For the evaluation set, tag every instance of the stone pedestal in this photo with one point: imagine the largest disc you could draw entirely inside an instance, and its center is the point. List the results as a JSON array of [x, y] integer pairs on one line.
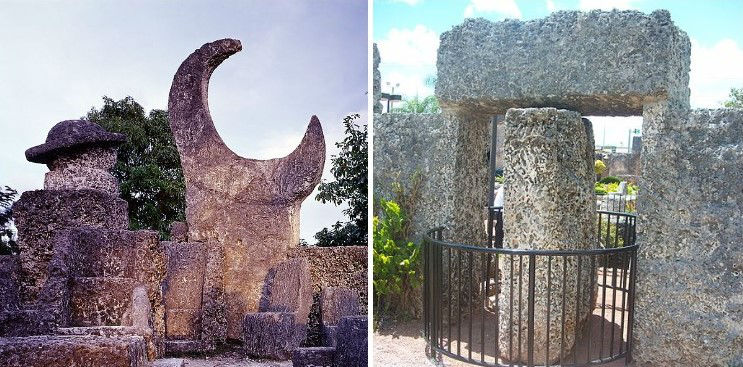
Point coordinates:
[[549, 204]]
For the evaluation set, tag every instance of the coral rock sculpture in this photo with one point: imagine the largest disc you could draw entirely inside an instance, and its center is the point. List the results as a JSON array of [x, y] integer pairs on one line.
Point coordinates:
[[246, 210]]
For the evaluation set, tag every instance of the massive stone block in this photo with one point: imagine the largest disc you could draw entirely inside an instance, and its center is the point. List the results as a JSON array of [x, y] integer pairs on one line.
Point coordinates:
[[550, 204], [313, 357], [73, 351], [247, 208], [489, 67], [353, 342], [103, 267], [99, 301], [184, 289], [448, 153], [287, 289], [335, 303], [688, 309], [38, 214], [272, 335]]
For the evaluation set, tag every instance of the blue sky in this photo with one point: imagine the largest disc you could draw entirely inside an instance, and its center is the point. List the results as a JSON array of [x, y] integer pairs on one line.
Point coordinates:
[[299, 58], [407, 33]]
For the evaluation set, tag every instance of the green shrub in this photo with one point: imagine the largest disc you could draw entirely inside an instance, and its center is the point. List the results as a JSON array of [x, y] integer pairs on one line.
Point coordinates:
[[397, 276], [599, 188], [610, 180], [599, 167]]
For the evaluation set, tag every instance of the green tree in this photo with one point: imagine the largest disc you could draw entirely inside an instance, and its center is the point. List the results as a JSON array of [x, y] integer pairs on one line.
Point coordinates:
[[417, 105], [350, 170], [148, 165], [736, 98], [8, 245]]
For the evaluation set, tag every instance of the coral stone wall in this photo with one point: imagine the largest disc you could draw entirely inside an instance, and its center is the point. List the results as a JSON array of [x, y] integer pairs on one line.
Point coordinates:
[[690, 281], [333, 267]]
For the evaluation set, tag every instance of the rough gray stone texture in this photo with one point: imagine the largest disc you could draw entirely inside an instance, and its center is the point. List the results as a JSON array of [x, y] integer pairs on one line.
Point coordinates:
[[185, 347], [450, 155], [183, 290], [38, 214], [213, 306], [690, 258], [9, 284], [335, 303], [352, 347], [27, 322], [313, 357], [333, 267], [73, 351], [179, 232], [104, 267], [117, 332], [377, 82], [406, 145], [222, 188], [83, 169], [550, 204], [623, 164], [596, 63], [272, 335], [72, 135], [288, 288]]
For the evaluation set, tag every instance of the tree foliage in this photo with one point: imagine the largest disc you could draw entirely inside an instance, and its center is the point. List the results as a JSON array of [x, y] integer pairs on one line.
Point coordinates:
[[417, 105], [736, 98], [8, 244], [148, 165], [397, 275], [350, 170]]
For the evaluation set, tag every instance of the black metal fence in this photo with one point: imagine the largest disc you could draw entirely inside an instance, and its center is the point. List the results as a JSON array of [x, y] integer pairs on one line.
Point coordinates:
[[491, 306]]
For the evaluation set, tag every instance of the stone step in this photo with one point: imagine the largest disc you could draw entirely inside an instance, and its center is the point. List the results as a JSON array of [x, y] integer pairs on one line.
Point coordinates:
[[313, 357], [154, 348], [73, 351]]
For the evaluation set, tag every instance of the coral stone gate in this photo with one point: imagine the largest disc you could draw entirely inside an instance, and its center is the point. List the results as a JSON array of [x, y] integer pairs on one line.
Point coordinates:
[[617, 63]]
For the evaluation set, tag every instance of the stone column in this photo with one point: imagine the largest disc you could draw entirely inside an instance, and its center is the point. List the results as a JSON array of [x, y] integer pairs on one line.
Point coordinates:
[[549, 204], [377, 86]]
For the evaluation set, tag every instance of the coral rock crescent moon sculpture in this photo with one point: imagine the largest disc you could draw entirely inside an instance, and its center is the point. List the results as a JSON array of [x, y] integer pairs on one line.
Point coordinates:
[[245, 210]]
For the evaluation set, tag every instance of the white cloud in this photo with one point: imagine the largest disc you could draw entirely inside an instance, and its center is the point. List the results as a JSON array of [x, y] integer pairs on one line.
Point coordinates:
[[607, 4], [551, 6], [409, 2], [416, 47], [714, 70], [408, 57], [507, 8], [411, 83]]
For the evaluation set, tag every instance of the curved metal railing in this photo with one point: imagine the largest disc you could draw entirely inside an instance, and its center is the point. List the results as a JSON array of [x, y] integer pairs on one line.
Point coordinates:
[[494, 306]]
